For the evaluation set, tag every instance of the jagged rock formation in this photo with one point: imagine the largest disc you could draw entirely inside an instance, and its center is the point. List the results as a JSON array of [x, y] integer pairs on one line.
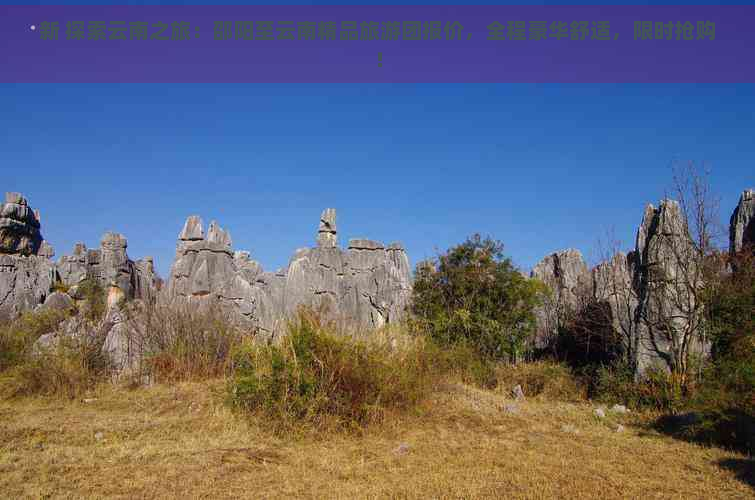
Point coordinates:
[[326, 234], [565, 272], [25, 282], [652, 293], [26, 273], [19, 227], [367, 285], [668, 280], [567, 276], [613, 283], [112, 335], [108, 265], [58, 301], [742, 222]]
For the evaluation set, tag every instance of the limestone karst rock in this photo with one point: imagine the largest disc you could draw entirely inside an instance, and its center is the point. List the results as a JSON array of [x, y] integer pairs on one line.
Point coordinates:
[[19, 227], [58, 301], [652, 292], [668, 279], [365, 286], [326, 233], [110, 264], [201, 267], [26, 273], [114, 335], [742, 222], [566, 274], [613, 282], [25, 282], [216, 234]]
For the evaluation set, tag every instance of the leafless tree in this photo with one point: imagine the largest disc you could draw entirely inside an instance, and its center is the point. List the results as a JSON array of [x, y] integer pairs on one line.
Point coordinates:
[[676, 261]]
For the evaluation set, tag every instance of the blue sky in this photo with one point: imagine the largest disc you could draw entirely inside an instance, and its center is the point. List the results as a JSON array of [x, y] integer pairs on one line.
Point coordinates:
[[540, 167]]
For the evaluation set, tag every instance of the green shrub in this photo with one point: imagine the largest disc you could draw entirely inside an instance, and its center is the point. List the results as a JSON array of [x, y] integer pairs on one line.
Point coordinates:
[[472, 295], [658, 389], [316, 377], [18, 336], [69, 368], [95, 299], [464, 363], [725, 397]]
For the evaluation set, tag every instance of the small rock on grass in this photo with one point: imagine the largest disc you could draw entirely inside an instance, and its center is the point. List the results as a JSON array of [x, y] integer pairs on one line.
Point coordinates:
[[99, 436], [600, 413], [619, 409], [518, 393], [402, 449]]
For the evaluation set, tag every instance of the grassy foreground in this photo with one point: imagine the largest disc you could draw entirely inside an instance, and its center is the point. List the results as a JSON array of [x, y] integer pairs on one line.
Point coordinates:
[[182, 441]]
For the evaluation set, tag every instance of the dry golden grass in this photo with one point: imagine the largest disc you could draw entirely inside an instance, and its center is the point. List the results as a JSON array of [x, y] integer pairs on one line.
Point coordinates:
[[182, 442]]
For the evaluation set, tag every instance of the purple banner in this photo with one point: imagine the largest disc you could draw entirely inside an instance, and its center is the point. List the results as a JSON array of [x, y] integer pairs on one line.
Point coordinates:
[[377, 43]]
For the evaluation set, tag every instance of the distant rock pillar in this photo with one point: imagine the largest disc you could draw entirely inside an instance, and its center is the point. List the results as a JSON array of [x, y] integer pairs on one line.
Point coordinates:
[[327, 233]]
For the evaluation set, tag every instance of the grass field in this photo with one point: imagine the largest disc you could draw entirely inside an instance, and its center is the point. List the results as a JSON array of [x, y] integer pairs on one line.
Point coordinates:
[[183, 442]]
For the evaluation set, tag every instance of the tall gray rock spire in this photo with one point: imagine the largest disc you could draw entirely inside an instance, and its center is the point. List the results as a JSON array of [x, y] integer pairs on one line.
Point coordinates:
[[742, 222], [327, 233]]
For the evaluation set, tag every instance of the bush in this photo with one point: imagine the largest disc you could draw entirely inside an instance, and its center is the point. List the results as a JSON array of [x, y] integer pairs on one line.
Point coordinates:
[[473, 296], [18, 336], [657, 390], [464, 363], [587, 340], [69, 368], [324, 380], [95, 299], [182, 343], [725, 399]]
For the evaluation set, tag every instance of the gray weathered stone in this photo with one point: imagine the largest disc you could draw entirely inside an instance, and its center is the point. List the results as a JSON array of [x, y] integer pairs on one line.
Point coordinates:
[[110, 264], [74, 332], [19, 228], [193, 229], [569, 280], [620, 409], [667, 281], [216, 234], [25, 282], [46, 250], [58, 301], [613, 283], [365, 286], [518, 393], [742, 222], [327, 232], [26, 273]]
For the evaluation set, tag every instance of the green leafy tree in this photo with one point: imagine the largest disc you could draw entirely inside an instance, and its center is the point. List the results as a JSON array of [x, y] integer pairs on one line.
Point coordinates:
[[474, 295]]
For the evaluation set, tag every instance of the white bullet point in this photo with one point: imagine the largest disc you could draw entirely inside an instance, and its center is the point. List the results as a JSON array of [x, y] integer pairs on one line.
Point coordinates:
[[33, 27]]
